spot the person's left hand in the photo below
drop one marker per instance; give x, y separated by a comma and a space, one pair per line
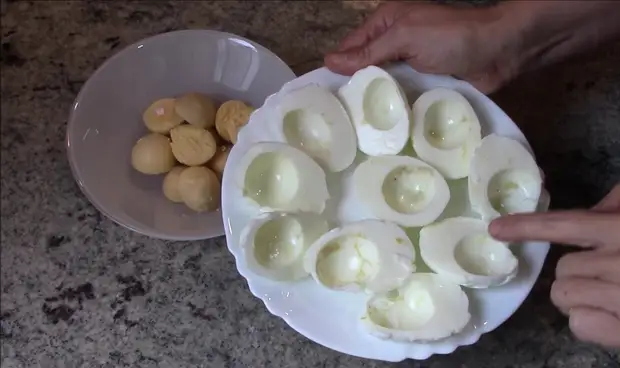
587, 285
478, 45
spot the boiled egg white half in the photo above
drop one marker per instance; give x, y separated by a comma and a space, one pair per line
312, 119
366, 255
461, 250
446, 130
504, 178
379, 111
274, 243
401, 189
428, 307
276, 176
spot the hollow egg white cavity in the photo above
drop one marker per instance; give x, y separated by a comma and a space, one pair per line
312, 119
446, 130
366, 255
503, 179
274, 243
461, 250
276, 176
401, 189
427, 307
379, 111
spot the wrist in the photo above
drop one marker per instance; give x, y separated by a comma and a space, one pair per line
536, 31
545, 32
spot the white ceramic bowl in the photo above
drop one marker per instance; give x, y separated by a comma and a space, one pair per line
106, 120
332, 318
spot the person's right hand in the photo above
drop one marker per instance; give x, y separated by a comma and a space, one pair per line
472, 44
587, 285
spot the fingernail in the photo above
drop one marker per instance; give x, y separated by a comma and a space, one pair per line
338, 62
495, 228
338, 55
332, 56
331, 59
341, 48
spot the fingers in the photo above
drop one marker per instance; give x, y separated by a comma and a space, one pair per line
595, 325
574, 292
375, 25
587, 289
386, 47
590, 264
378, 40
581, 228
611, 202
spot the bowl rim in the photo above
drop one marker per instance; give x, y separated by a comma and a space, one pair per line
152, 233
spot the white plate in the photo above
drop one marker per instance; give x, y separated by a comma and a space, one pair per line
332, 318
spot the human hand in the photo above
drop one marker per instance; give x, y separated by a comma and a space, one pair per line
473, 44
587, 285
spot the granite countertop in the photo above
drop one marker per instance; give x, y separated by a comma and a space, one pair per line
80, 291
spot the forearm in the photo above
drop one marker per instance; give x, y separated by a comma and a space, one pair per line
551, 31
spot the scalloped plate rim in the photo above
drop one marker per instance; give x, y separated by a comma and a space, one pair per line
279, 310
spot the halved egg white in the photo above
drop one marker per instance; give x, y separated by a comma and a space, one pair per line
428, 307
274, 243
446, 130
312, 119
401, 189
378, 110
369, 255
503, 179
461, 250
276, 176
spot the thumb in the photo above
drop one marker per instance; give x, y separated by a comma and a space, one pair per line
385, 48
380, 21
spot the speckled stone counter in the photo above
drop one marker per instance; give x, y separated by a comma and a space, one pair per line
80, 291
